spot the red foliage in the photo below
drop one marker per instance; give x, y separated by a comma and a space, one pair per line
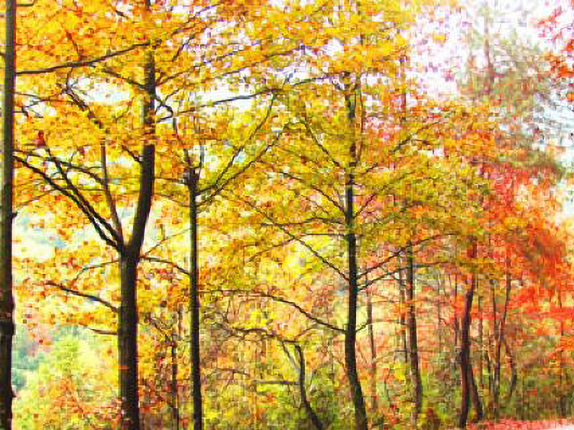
522, 425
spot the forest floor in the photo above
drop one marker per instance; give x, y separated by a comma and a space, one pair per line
563, 424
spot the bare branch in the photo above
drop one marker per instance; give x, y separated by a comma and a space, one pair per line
75, 64
91, 297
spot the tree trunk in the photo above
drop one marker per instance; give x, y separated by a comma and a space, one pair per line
456, 318
128, 315
306, 405
495, 357
440, 289
174, 372
416, 381
465, 363
480, 343
499, 341
6, 217
127, 344
372, 347
513, 374
361, 420
192, 181
130, 256
562, 400
404, 349
474, 396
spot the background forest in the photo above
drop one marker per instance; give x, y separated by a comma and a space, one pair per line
252, 214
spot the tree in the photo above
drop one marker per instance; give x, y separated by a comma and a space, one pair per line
6, 218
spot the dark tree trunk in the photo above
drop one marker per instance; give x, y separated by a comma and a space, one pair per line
513, 374
404, 349
563, 375
480, 343
373, 348
495, 327
499, 341
474, 396
456, 317
440, 289
465, 363
174, 372
469, 391
6, 216
127, 344
128, 315
361, 420
192, 178
303, 392
130, 256
416, 381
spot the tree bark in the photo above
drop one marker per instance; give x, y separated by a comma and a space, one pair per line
494, 348
456, 324
303, 392
174, 373
499, 341
128, 314
403, 344
192, 177
513, 374
440, 289
466, 379
6, 294
416, 381
361, 420
465, 358
130, 257
475, 396
127, 344
469, 390
480, 343
372, 346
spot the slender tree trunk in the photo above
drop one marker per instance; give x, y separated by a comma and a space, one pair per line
499, 341
456, 319
303, 392
469, 390
130, 257
465, 363
128, 312
174, 372
129, 261
6, 217
439, 316
562, 401
127, 344
480, 343
495, 328
416, 381
513, 374
361, 420
402, 317
465, 358
372, 346
192, 183
475, 396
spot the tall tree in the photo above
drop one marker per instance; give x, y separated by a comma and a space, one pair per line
6, 218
